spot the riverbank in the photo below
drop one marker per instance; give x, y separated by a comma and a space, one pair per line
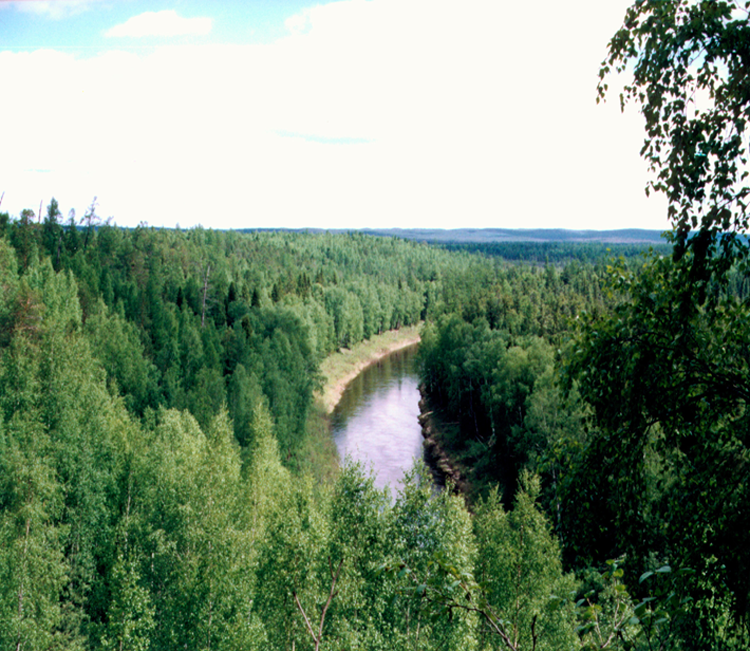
342, 367
444, 469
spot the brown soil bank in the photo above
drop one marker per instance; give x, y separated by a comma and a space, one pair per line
444, 469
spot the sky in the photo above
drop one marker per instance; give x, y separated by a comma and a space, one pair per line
291, 113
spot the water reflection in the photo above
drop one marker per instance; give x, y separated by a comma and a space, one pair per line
376, 423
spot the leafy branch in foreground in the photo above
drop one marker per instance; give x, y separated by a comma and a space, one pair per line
445, 589
318, 637
689, 63
611, 619
664, 467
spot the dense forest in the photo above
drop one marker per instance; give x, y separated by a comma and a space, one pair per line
157, 388
162, 473
158, 424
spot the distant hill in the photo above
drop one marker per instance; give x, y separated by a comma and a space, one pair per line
493, 235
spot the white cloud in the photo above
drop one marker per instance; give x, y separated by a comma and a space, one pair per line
54, 9
165, 23
300, 23
403, 112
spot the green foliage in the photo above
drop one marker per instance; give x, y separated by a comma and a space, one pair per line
565, 254
192, 534
292, 567
667, 379
427, 532
611, 618
662, 472
506, 585
116, 343
131, 614
9, 287
67, 434
521, 573
155, 388
33, 570
495, 386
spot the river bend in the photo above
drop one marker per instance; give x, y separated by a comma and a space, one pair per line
376, 420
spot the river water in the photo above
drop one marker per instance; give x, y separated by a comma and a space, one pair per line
375, 422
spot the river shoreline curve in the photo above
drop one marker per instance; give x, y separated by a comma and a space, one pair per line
340, 368
444, 469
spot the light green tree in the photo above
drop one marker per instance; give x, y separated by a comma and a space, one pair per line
130, 616
528, 596
507, 583
33, 569
197, 550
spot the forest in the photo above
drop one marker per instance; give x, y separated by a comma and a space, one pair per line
167, 479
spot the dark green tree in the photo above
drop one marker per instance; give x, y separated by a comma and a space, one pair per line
664, 470
52, 233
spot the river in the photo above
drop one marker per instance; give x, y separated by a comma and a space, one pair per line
376, 420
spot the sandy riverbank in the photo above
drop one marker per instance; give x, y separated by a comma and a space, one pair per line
342, 367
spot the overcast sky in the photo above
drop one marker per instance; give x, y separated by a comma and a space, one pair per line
359, 113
